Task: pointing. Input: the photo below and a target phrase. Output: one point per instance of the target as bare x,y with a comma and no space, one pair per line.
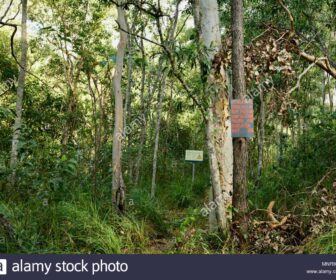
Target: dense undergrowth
46,215
83,223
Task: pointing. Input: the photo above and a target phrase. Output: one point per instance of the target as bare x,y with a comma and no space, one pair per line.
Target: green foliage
61,202
322,244
192,239
183,193
149,209
74,226
302,166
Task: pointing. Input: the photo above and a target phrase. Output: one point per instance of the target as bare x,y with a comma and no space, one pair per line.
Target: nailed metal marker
242,118
193,156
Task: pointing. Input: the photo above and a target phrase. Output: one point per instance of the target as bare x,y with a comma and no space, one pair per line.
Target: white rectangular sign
192,155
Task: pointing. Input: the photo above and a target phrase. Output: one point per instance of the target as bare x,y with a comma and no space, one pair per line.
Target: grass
69,227
42,219
77,224
323,244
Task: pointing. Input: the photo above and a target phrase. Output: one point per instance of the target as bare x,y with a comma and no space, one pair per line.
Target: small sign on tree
242,118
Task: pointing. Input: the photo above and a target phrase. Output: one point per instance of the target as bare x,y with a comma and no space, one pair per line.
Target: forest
168,126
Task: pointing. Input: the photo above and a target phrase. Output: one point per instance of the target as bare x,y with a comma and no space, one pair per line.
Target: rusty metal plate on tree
242,118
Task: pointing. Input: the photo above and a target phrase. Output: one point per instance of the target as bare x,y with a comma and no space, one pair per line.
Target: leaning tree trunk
118,186
19,93
240,145
219,141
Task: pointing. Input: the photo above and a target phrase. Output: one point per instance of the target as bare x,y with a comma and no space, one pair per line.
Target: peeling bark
19,93
118,186
219,141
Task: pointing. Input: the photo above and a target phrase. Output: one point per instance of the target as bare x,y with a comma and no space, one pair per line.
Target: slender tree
261,135
127,105
240,145
168,45
143,111
19,92
118,186
161,94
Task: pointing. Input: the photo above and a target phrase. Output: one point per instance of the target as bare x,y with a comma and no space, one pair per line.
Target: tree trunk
331,93
334,96
281,142
143,109
72,101
169,45
95,132
261,135
72,72
19,93
118,186
146,110
240,145
219,141
161,94
129,78
213,225
324,85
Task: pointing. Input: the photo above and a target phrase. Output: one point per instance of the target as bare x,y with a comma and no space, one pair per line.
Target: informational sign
242,118
193,155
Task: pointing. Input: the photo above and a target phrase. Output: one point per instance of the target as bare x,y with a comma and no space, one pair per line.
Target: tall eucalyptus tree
19,92
118,185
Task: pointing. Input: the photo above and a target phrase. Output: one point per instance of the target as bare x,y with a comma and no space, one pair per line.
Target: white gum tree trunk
19,93
118,186
219,139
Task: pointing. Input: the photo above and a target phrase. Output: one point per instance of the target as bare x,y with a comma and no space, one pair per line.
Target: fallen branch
274,222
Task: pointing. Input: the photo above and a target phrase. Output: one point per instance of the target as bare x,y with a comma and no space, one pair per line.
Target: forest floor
272,232
167,224
75,228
